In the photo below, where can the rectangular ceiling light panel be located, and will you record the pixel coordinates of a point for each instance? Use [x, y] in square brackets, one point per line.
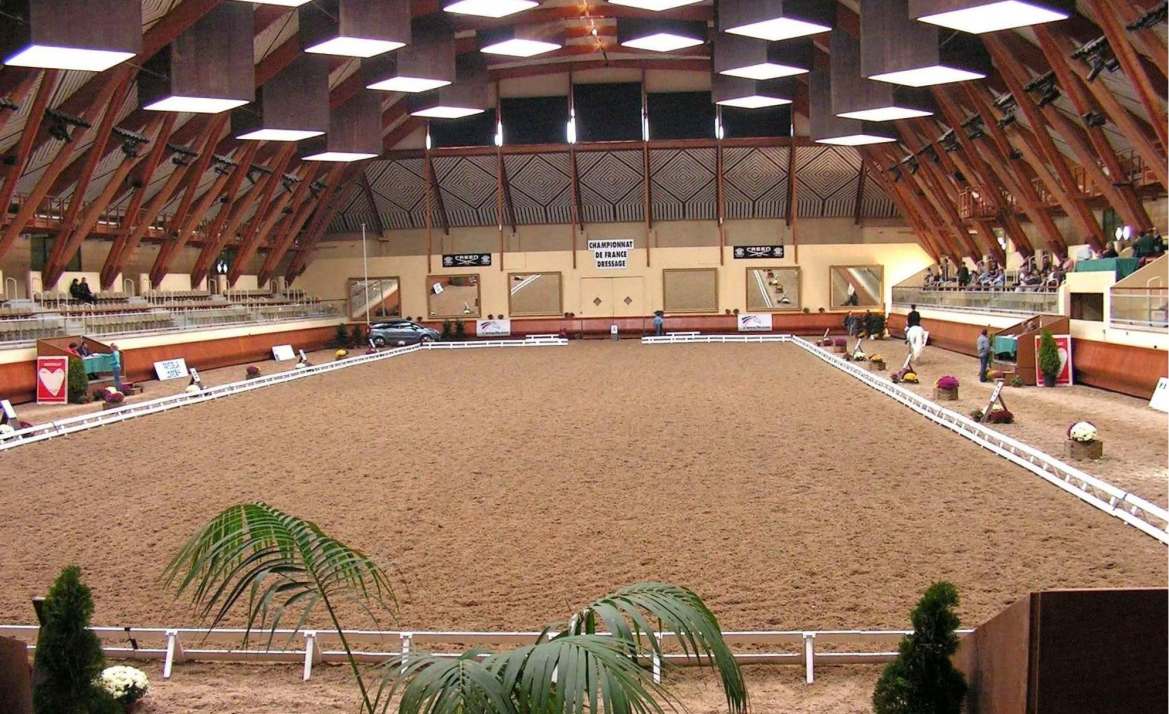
[426, 64]
[354, 28]
[855, 97]
[827, 128]
[654, 5]
[521, 40]
[978, 16]
[897, 49]
[292, 106]
[88, 35]
[208, 69]
[776, 19]
[489, 8]
[751, 58]
[659, 35]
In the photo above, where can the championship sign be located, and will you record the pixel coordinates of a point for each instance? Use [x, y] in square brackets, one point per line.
[466, 260]
[755, 322]
[611, 254]
[170, 369]
[52, 380]
[757, 252]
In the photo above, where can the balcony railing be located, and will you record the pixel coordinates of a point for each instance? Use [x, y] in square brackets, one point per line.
[1140, 308]
[1003, 301]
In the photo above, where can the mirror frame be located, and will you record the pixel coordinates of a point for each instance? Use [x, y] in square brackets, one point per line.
[349, 294]
[478, 313]
[747, 288]
[880, 289]
[666, 300]
[560, 298]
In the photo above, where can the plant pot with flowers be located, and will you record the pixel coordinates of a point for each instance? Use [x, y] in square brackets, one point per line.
[252, 372]
[905, 375]
[877, 363]
[1083, 443]
[126, 685]
[946, 388]
[111, 398]
[840, 344]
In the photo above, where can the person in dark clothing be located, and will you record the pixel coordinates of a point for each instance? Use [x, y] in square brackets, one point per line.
[983, 346]
[963, 275]
[73, 290]
[84, 294]
[913, 319]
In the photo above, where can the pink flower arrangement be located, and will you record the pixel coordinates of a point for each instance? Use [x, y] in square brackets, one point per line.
[113, 397]
[947, 382]
[253, 370]
[840, 342]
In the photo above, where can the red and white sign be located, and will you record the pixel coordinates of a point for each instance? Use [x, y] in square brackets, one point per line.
[52, 380]
[1064, 344]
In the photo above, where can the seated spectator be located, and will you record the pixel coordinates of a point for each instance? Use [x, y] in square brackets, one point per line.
[851, 324]
[1145, 245]
[73, 290]
[963, 275]
[1110, 251]
[998, 279]
[83, 350]
[72, 349]
[84, 294]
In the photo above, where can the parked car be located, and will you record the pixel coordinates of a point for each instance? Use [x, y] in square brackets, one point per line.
[395, 333]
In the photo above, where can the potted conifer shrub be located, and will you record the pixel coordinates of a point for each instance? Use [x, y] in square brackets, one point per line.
[78, 382]
[1048, 357]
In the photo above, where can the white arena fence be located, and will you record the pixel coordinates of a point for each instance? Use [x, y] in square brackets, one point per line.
[1130, 508]
[310, 647]
[61, 427]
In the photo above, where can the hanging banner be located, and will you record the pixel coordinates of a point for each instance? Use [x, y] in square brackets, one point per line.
[170, 369]
[611, 254]
[754, 252]
[52, 380]
[755, 322]
[493, 328]
[1064, 344]
[466, 260]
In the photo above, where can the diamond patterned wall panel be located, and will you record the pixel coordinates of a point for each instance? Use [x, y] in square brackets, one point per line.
[826, 181]
[541, 187]
[875, 203]
[682, 183]
[399, 189]
[611, 186]
[755, 182]
[469, 189]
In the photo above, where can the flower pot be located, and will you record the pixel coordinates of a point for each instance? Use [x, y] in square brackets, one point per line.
[945, 395]
[841, 349]
[1081, 451]
[1049, 380]
[112, 405]
[878, 366]
[252, 376]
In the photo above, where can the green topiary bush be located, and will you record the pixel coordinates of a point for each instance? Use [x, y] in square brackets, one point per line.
[341, 339]
[446, 329]
[1048, 355]
[78, 382]
[922, 680]
[68, 656]
[460, 329]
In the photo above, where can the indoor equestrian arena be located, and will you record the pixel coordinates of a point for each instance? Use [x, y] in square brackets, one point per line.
[493, 356]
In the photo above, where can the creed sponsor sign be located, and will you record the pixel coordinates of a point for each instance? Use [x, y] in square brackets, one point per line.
[466, 260]
[758, 252]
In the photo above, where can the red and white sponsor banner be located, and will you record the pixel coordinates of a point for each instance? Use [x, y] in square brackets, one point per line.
[1064, 344]
[52, 380]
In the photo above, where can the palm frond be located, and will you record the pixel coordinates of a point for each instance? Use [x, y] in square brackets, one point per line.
[629, 613]
[270, 562]
[572, 674]
[430, 684]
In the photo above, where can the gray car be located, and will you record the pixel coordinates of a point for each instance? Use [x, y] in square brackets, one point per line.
[396, 333]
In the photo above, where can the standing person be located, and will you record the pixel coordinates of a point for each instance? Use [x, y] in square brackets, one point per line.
[850, 324]
[983, 355]
[913, 319]
[659, 323]
[116, 365]
[963, 275]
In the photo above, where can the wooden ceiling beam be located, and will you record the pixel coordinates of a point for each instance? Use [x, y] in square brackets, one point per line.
[287, 235]
[1056, 47]
[368, 191]
[937, 191]
[925, 233]
[1151, 97]
[913, 194]
[1147, 41]
[277, 211]
[23, 149]
[33, 201]
[327, 207]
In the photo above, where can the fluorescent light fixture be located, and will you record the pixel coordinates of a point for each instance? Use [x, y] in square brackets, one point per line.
[489, 8]
[195, 105]
[354, 47]
[279, 135]
[444, 112]
[67, 58]
[927, 76]
[520, 48]
[780, 28]
[993, 16]
[662, 42]
[766, 70]
[281, 3]
[755, 101]
[409, 85]
[885, 114]
[855, 140]
[339, 156]
[655, 5]
[570, 133]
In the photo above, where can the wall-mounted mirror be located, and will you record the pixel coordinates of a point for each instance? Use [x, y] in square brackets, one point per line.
[382, 297]
[773, 289]
[452, 296]
[856, 285]
[535, 295]
[690, 290]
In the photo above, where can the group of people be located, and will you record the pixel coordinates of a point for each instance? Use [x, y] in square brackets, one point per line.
[1035, 274]
[867, 325]
[79, 290]
[82, 350]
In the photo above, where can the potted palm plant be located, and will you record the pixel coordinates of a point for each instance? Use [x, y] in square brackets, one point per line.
[1049, 363]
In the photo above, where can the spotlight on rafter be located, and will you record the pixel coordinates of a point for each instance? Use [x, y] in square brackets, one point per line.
[222, 165]
[974, 127]
[949, 141]
[6, 103]
[776, 19]
[131, 141]
[354, 28]
[977, 16]
[488, 8]
[317, 187]
[1045, 87]
[88, 35]
[930, 153]
[208, 69]
[897, 50]
[1150, 19]
[654, 5]
[895, 172]
[1015, 155]
[288, 181]
[1093, 118]
[62, 123]
[659, 35]
[1007, 104]
[1098, 55]
[182, 155]
[255, 171]
[910, 162]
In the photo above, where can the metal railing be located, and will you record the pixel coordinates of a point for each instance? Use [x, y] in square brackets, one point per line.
[1140, 308]
[1004, 301]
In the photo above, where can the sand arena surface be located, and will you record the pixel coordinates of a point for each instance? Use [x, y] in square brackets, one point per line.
[509, 486]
